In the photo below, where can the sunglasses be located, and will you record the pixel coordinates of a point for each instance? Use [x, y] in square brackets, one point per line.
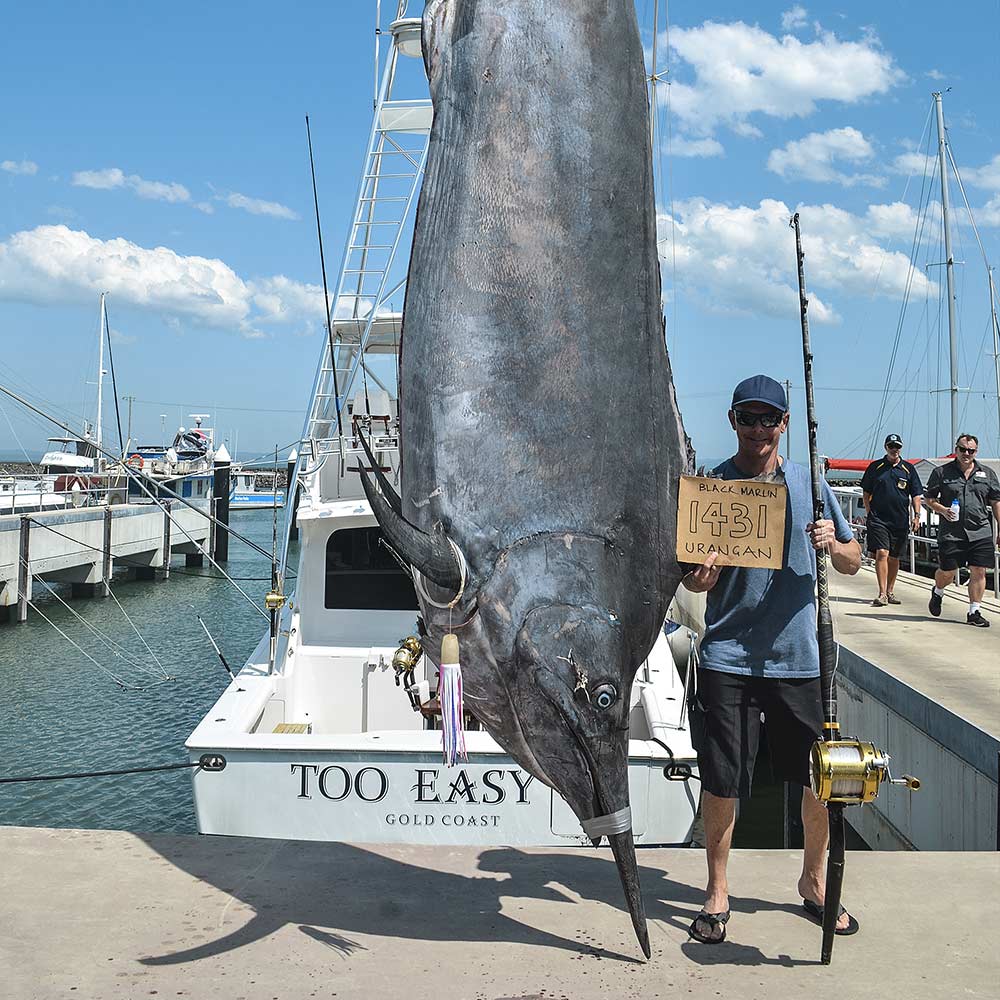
[967, 451]
[747, 419]
[893, 447]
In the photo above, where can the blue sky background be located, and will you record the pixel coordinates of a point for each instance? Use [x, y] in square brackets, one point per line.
[126, 129]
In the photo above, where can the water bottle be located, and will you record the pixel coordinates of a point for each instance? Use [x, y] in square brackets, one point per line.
[955, 508]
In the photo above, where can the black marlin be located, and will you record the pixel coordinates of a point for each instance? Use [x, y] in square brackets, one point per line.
[540, 433]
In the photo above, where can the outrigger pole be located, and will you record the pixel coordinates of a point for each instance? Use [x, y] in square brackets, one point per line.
[842, 772]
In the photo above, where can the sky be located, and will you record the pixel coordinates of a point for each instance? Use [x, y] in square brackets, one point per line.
[162, 157]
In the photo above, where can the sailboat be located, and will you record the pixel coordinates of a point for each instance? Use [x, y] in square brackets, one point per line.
[331, 730]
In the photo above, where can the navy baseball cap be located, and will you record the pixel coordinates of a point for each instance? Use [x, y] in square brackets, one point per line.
[893, 439]
[761, 389]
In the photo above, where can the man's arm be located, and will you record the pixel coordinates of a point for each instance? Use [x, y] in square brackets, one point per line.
[866, 499]
[845, 556]
[996, 521]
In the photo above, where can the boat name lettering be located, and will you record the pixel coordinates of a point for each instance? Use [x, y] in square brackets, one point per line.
[339, 786]
[463, 789]
[446, 819]
[371, 784]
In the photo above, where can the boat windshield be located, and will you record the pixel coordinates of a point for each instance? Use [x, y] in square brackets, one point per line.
[362, 574]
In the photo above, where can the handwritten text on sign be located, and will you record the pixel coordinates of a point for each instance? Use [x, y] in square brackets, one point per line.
[742, 520]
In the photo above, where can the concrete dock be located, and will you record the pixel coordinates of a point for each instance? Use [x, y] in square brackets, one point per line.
[81, 547]
[110, 914]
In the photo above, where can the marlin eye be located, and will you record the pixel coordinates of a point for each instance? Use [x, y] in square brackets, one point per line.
[605, 696]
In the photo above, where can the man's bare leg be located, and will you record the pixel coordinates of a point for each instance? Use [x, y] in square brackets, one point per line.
[977, 583]
[943, 577]
[881, 570]
[719, 817]
[893, 572]
[816, 825]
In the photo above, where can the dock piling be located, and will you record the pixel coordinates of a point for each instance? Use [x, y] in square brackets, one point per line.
[23, 572]
[108, 566]
[220, 491]
[165, 565]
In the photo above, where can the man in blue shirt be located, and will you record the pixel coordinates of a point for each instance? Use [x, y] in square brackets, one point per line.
[890, 486]
[759, 655]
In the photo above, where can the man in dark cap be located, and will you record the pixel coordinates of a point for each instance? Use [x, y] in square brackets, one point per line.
[892, 494]
[759, 654]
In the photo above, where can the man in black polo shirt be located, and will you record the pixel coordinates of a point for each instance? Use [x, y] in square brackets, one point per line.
[966, 537]
[890, 487]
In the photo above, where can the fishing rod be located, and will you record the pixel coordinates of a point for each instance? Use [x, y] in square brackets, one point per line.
[842, 772]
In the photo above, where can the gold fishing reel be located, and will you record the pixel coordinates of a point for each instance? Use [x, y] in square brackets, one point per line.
[404, 663]
[851, 771]
[404, 660]
[274, 600]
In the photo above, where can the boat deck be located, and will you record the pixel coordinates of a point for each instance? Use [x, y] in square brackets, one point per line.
[114, 914]
[953, 664]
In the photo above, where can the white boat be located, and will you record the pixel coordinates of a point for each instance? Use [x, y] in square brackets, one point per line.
[319, 737]
[253, 489]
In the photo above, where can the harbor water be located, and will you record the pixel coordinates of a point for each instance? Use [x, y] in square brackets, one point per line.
[63, 714]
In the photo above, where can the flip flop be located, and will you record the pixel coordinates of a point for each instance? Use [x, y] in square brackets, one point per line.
[815, 911]
[713, 920]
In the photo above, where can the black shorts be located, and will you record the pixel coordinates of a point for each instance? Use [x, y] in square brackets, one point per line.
[725, 713]
[955, 552]
[886, 535]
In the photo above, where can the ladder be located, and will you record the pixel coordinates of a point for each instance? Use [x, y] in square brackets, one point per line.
[391, 178]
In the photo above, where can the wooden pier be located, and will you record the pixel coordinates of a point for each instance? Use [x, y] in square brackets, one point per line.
[82, 547]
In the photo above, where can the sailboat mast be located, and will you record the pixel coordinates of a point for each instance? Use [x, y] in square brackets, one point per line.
[949, 266]
[996, 346]
[100, 380]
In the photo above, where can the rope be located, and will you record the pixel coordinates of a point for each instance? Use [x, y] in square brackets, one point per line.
[98, 774]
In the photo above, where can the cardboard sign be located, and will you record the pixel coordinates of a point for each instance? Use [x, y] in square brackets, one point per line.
[741, 519]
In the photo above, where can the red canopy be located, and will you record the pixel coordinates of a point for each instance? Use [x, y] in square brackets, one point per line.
[855, 464]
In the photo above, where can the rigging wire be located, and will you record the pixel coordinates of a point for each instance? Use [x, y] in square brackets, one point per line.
[116, 647]
[918, 230]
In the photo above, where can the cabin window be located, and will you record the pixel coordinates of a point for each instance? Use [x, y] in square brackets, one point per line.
[361, 573]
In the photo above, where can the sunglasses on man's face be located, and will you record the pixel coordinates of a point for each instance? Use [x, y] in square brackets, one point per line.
[967, 451]
[746, 419]
[893, 447]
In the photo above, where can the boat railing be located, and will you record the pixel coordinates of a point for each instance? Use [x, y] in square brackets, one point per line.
[26, 494]
[931, 542]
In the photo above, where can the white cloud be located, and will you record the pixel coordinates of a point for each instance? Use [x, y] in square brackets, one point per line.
[794, 17]
[989, 214]
[934, 74]
[683, 146]
[56, 264]
[113, 177]
[817, 156]
[742, 70]
[741, 259]
[913, 163]
[102, 180]
[987, 176]
[25, 167]
[257, 206]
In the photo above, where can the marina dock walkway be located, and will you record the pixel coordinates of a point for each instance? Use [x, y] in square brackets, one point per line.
[106, 915]
[955, 665]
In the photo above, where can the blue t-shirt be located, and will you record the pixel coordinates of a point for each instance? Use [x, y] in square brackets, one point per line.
[763, 621]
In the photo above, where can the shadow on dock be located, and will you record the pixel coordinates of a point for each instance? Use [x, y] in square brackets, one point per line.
[333, 891]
